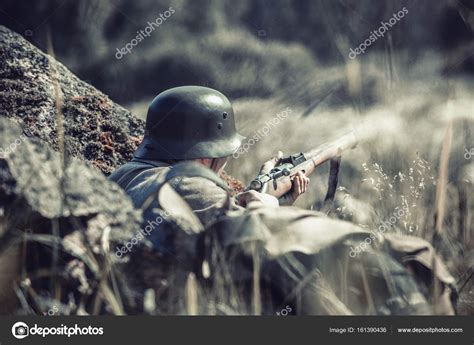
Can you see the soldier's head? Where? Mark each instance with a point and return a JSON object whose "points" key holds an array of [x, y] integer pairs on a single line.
{"points": [[190, 123]]}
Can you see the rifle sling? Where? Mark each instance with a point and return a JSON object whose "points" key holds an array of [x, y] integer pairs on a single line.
{"points": [[332, 183]]}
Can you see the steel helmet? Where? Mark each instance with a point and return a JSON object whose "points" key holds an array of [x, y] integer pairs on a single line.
{"points": [[189, 122]]}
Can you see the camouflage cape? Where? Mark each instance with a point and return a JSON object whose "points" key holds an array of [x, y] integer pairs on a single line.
{"points": [[300, 257]]}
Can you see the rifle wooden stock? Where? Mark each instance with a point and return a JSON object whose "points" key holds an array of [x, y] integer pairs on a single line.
{"points": [[314, 158]]}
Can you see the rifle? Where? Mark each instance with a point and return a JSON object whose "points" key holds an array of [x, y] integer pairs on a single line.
{"points": [[278, 181]]}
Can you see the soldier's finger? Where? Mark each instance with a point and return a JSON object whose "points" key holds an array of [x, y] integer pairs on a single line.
{"points": [[306, 182], [276, 158], [299, 184], [303, 178], [269, 165], [303, 184]]}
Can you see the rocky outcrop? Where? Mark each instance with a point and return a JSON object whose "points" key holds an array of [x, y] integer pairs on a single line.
{"points": [[35, 88], [47, 202], [35, 182]]}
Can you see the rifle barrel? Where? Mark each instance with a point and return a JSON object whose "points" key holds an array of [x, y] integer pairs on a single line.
{"points": [[333, 149], [314, 158]]}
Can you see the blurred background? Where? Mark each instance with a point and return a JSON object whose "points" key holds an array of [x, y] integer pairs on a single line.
{"points": [[249, 48], [408, 96]]}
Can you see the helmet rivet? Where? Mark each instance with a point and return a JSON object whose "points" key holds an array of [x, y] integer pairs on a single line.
{"points": [[224, 115], [219, 125]]}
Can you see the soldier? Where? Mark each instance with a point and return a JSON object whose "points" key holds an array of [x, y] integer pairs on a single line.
{"points": [[192, 123], [301, 250]]}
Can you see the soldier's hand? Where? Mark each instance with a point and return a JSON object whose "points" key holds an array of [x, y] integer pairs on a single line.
{"points": [[300, 183], [269, 165], [253, 198]]}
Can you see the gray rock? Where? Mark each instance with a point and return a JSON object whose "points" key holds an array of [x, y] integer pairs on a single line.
{"points": [[60, 201], [65, 204], [96, 129], [35, 184]]}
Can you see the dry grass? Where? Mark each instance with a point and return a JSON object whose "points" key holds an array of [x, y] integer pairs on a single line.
{"points": [[412, 140]]}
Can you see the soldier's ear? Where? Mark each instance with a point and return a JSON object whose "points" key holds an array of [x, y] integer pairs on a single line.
{"points": [[221, 167], [217, 164], [204, 161]]}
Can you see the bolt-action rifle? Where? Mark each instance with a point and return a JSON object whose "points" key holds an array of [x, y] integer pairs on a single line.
{"points": [[278, 181]]}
